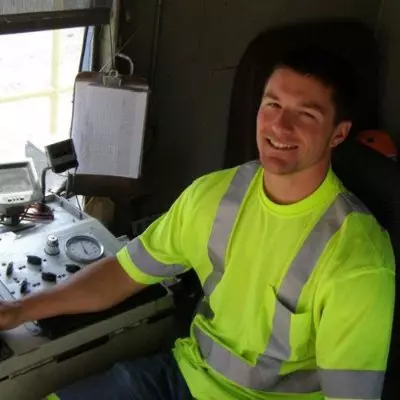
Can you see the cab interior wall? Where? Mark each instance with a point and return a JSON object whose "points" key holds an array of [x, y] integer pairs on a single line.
{"points": [[199, 47]]}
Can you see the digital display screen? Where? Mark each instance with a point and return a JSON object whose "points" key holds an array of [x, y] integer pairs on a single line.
{"points": [[14, 180]]}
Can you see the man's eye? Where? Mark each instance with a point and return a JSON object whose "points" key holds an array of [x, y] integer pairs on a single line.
{"points": [[272, 105], [307, 114]]}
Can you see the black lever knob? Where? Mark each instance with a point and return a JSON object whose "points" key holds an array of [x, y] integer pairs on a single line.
{"points": [[35, 260], [10, 268], [72, 268], [24, 287], [49, 277]]}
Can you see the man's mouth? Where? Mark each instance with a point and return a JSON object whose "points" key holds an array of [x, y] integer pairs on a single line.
{"points": [[279, 145]]}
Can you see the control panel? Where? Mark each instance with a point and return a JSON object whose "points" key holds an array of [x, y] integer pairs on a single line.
{"points": [[39, 259], [32, 263], [41, 253]]}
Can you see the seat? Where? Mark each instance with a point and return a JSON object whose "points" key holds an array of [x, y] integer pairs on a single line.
{"points": [[371, 176]]}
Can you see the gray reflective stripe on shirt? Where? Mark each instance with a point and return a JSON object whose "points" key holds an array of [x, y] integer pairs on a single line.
{"points": [[337, 384], [308, 256], [224, 221], [300, 271], [350, 384], [204, 309], [255, 377], [265, 375], [149, 265], [223, 225]]}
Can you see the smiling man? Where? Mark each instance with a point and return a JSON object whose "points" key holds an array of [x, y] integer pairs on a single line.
{"points": [[298, 276], [306, 111]]}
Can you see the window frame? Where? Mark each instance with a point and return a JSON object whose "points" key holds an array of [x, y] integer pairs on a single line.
{"points": [[96, 13]]}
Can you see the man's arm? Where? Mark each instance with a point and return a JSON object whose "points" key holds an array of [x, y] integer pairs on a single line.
{"points": [[353, 335], [157, 254], [95, 288]]}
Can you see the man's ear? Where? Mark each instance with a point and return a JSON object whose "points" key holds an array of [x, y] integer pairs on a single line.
{"points": [[340, 134]]}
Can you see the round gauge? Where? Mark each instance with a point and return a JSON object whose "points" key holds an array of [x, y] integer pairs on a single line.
{"points": [[84, 249]]}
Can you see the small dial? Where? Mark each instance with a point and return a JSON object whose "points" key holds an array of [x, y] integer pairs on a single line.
{"points": [[84, 249], [52, 246]]}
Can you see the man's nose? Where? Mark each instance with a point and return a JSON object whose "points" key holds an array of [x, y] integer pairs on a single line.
{"points": [[283, 123]]}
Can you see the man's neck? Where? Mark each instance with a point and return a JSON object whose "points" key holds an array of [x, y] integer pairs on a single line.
{"points": [[292, 188]]}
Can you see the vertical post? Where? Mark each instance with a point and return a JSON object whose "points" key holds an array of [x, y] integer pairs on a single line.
{"points": [[55, 81]]}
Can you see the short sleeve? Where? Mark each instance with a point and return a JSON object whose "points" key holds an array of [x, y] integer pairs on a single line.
{"points": [[158, 253], [354, 333]]}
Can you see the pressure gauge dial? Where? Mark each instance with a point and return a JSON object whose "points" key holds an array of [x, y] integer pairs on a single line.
{"points": [[84, 249]]}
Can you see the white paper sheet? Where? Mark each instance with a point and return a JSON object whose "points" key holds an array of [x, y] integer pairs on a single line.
{"points": [[108, 129]]}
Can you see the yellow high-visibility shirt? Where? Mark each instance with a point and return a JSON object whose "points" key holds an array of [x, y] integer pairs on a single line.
{"points": [[338, 333]]}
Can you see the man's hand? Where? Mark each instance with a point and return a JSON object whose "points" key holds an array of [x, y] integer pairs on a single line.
{"points": [[10, 315]]}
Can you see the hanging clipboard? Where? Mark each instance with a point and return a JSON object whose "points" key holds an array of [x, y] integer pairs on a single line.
{"points": [[108, 124]]}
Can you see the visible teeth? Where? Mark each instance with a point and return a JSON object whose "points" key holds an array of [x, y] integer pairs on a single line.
{"points": [[280, 145]]}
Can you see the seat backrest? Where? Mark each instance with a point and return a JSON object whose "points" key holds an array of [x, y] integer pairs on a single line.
{"points": [[369, 175]]}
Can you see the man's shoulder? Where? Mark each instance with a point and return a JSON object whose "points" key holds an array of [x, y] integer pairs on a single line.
{"points": [[360, 219], [362, 242]]}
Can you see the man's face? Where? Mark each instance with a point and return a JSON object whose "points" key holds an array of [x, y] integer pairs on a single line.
{"points": [[295, 123]]}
